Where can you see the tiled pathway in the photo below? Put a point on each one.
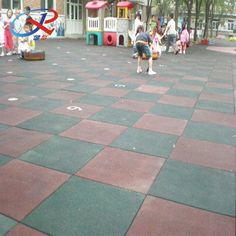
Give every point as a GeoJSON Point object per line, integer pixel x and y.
{"type": "Point", "coordinates": [88, 147]}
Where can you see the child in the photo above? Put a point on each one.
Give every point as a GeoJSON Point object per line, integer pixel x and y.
{"type": "Point", "coordinates": [184, 39]}
{"type": "Point", "coordinates": [156, 42]}
{"type": "Point", "coordinates": [1, 36]}
{"type": "Point", "coordinates": [152, 23]}
{"type": "Point", "coordinates": [8, 41]}
{"type": "Point", "coordinates": [18, 25]}
{"type": "Point", "coordinates": [26, 44]}
{"type": "Point", "coordinates": [142, 44]}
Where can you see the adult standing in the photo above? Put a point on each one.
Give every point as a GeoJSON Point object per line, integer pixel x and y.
{"type": "Point", "coordinates": [171, 33]}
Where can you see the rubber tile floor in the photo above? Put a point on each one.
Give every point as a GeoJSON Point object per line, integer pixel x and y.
{"type": "Point", "coordinates": [90, 147]}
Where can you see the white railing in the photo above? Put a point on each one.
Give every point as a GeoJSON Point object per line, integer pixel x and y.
{"type": "Point", "coordinates": [93, 23]}
{"type": "Point", "coordinates": [110, 24]}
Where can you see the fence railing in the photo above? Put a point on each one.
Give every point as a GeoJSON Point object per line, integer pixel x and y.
{"type": "Point", "coordinates": [110, 24]}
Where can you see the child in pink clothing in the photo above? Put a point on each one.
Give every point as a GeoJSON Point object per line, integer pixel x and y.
{"type": "Point", "coordinates": [8, 40]}
{"type": "Point", "coordinates": [184, 39]}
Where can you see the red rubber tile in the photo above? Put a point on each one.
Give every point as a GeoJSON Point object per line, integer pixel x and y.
{"type": "Point", "coordinates": [215, 118]}
{"type": "Point", "coordinates": [23, 186]}
{"type": "Point", "coordinates": [95, 132]}
{"type": "Point", "coordinates": [15, 141]}
{"type": "Point", "coordinates": [217, 98]}
{"type": "Point", "coordinates": [22, 230]}
{"type": "Point", "coordinates": [161, 217]}
{"type": "Point", "coordinates": [15, 115]}
{"type": "Point", "coordinates": [133, 105]}
{"type": "Point", "coordinates": [161, 124]}
{"type": "Point", "coordinates": [124, 169]}
{"type": "Point", "coordinates": [152, 89]}
{"type": "Point", "coordinates": [205, 153]}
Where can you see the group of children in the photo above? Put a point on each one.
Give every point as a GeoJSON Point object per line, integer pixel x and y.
{"type": "Point", "coordinates": [150, 42]}
{"type": "Point", "coordinates": [10, 44]}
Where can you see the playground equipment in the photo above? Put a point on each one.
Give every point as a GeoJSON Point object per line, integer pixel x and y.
{"type": "Point", "coordinates": [96, 12]}
{"type": "Point", "coordinates": [104, 30]}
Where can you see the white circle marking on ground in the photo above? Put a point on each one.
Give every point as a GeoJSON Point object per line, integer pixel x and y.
{"type": "Point", "coordinates": [72, 108]}
{"type": "Point", "coordinates": [120, 85]}
{"type": "Point", "coordinates": [12, 99]}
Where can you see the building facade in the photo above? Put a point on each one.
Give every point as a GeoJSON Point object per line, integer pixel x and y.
{"type": "Point", "coordinates": [71, 21]}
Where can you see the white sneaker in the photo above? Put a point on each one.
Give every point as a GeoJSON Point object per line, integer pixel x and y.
{"type": "Point", "coordinates": [184, 52]}
{"type": "Point", "coordinates": [9, 53]}
{"type": "Point", "coordinates": [151, 72]}
{"type": "Point", "coordinates": [139, 70]}
{"type": "Point", "coordinates": [2, 54]}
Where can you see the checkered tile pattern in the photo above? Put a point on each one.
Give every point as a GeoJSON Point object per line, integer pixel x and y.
{"type": "Point", "coordinates": [86, 150]}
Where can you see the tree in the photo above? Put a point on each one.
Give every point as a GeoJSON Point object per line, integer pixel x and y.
{"type": "Point", "coordinates": [208, 4]}
{"type": "Point", "coordinates": [148, 12]}
{"type": "Point", "coordinates": [198, 4]}
{"type": "Point", "coordinates": [189, 4]}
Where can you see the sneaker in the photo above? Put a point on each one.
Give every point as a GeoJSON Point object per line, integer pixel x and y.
{"type": "Point", "coordinates": [184, 52]}
{"type": "Point", "coordinates": [180, 52]}
{"type": "Point", "coordinates": [9, 53]}
{"type": "Point", "coordinates": [151, 72]}
{"type": "Point", "coordinates": [139, 70]}
{"type": "Point", "coordinates": [2, 54]}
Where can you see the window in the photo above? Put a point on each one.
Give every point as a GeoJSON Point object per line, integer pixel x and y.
{"type": "Point", "coordinates": [11, 4]}
{"type": "Point", "coordinates": [74, 10]}
{"type": "Point", "coordinates": [230, 24]}
{"type": "Point", "coordinates": [214, 24]}
{"type": "Point", "coordinates": [200, 24]}
{"type": "Point", "coordinates": [48, 4]}
{"type": "Point", "coordinates": [80, 10]}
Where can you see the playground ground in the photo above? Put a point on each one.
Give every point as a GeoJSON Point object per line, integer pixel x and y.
{"type": "Point", "coordinates": [89, 147]}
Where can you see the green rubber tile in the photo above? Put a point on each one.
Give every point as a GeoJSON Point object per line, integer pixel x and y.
{"type": "Point", "coordinates": [42, 104]}
{"type": "Point", "coordinates": [50, 123]}
{"type": "Point", "coordinates": [2, 93]}
{"type": "Point", "coordinates": [146, 142]}
{"type": "Point", "coordinates": [172, 111]}
{"type": "Point", "coordinates": [36, 91]}
{"type": "Point", "coordinates": [215, 106]}
{"type": "Point", "coordinates": [6, 224]}
{"type": "Point", "coordinates": [3, 106]}
{"type": "Point", "coordinates": [183, 93]}
{"type": "Point", "coordinates": [210, 132]}
{"type": "Point", "coordinates": [136, 95]}
{"type": "Point", "coordinates": [200, 187]}
{"type": "Point", "coordinates": [192, 82]}
{"type": "Point", "coordinates": [98, 100]}
{"type": "Point", "coordinates": [82, 207]}
{"type": "Point", "coordinates": [117, 116]}
{"type": "Point", "coordinates": [220, 81]}
{"type": "Point", "coordinates": [82, 88]}
{"type": "Point", "coordinates": [4, 160]}
{"type": "Point", "coordinates": [220, 91]}
{"type": "Point", "coordinates": [3, 127]}
{"type": "Point", "coordinates": [62, 154]}
{"type": "Point", "coordinates": [30, 81]}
